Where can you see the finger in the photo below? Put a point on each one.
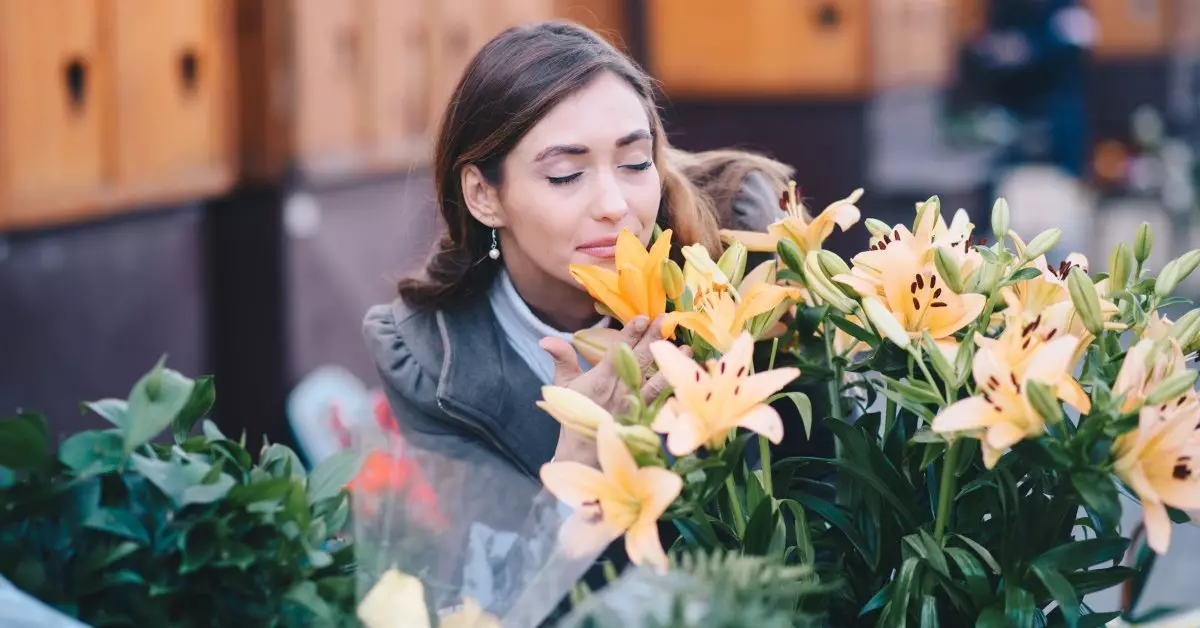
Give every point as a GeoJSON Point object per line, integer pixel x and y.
{"type": "Point", "coordinates": [635, 330]}
{"type": "Point", "coordinates": [641, 350]}
{"type": "Point", "coordinates": [566, 362]}
{"type": "Point", "coordinates": [654, 387]}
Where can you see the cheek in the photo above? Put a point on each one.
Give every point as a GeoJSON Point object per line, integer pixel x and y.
{"type": "Point", "coordinates": [644, 197]}
{"type": "Point", "coordinates": [544, 221]}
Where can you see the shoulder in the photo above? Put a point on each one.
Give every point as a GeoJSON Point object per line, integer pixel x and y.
{"type": "Point", "coordinates": [405, 343]}
{"type": "Point", "coordinates": [756, 203]}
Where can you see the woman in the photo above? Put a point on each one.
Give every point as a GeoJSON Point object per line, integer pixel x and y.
{"type": "Point", "coordinates": [550, 147]}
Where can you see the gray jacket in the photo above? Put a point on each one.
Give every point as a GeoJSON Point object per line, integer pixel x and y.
{"type": "Point", "coordinates": [455, 384]}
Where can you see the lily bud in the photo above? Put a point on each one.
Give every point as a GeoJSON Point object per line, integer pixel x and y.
{"type": "Point", "coordinates": [822, 287]}
{"type": "Point", "coordinates": [1143, 242]}
{"type": "Point", "coordinates": [940, 363]}
{"type": "Point", "coordinates": [1172, 386]}
{"type": "Point", "coordinates": [877, 227]}
{"type": "Point", "coordinates": [1041, 243]}
{"type": "Point", "coordinates": [1186, 331]}
{"type": "Point", "coordinates": [1042, 398]}
{"type": "Point", "coordinates": [697, 259]}
{"type": "Point", "coordinates": [1120, 267]}
{"type": "Point", "coordinates": [930, 210]}
{"type": "Point", "coordinates": [593, 344]}
{"type": "Point", "coordinates": [641, 440]}
{"type": "Point", "coordinates": [1001, 218]}
{"type": "Point", "coordinates": [1175, 272]}
{"type": "Point", "coordinates": [733, 263]}
{"type": "Point", "coordinates": [791, 255]}
{"type": "Point", "coordinates": [1086, 300]}
{"type": "Point", "coordinates": [885, 322]}
{"type": "Point", "coordinates": [573, 410]}
{"type": "Point", "coordinates": [948, 269]}
{"type": "Point", "coordinates": [627, 367]}
{"type": "Point", "coordinates": [672, 279]}
{"type": "Point", "coordinates": [831, 264]}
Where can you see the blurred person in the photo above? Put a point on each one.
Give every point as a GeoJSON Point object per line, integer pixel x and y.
{"type": "Point", "coordinates": [551, 146]}
{"type": "Point", "coordinates": [1034, 56]}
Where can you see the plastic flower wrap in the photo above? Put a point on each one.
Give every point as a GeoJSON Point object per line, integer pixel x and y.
{"type": "Point", "coordinates": [456, 535]}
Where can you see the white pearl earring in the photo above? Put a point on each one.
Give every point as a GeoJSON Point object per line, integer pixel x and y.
{"type": "Point", "coordinates": [494, 253]}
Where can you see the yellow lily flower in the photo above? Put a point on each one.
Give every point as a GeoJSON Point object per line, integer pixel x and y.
{"type": "Point", "coordinates": [700, 272]}
{"type": "Point", "coordinates": [921, 302]}
{"type": "Point", "coordinates": [1146, 365]}
{"type": "Point", "coordinates": [1159, 461]}
{"type": "Point", "coordinates": [636, 286]}
{"type": "Point", "coordinates": [1000, 416]}
{"type": "Point", "coordinates": [398, 599]}
{"type": "Point", "coordinates": [795, 226]}
{"type": "Point", "coordinates": [719, 318]}
{"type": "Point", "coordinates": [708, 404]}
{"type": "Point", "coordinates": [619, 498]}
{"type": "Point", "coordinates": [901, 246]}
{"type": "Point", "coordinates": [1018, 345]}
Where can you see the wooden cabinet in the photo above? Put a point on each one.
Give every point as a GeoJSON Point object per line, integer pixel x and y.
{"type": "Point", "coordinates": [173, 135]}
{"type": "Point", "coordinates": [805, 48]}
{"type": "Point", "coordinates": [55, 96]}
{"type": "Point", "coordinates": [1184, 18]}
{"type": "Point", "coordinates": [1130, 28]}
{"type": "Point", "coordinates": [768, 47]}
{"type": "Point", "coordinates": [109, 106]}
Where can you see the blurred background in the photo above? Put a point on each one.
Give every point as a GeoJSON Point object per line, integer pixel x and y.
{"type": "Point", "coordinates": [233, 182]}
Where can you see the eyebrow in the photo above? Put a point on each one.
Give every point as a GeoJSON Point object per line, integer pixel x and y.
{"type": "Point", "coordinates": [576, 149]}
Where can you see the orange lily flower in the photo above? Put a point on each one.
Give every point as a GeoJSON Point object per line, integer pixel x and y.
{"type": "Point", "coordinates": [708, 404]}
{"type": "Point", "coordinates": [1146, 365]}
{"type": "Point", "coordinates": [1159, 461]}
{"type": "Point", "coordinates": [795, 226]}
{"type": "Point", "coordinates": [619, 498]}
{"type": "Point", "coordinates": [719, 317]}
{"type": "Point", "coordinates": [636, 287]}
{"type": "Point", "coordinates": [1000, 416]}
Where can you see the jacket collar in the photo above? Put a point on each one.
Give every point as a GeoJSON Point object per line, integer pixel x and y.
{"type": "Point", "coordinates": [485, 384]}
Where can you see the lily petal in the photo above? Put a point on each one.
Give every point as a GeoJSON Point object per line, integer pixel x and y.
{"type": "Point", "coordinates": [1158, 526]}
{"type": "Point", "coordinates": [754, 241]}
{"type": "Point", "coordinates": [615, 459]}
{"type": "Point", "coordinates": [575, 483]}
{"type": "Point", "coordinates": [644, 547]}
{"type": "Point", "coordinates": [602, 284]}
{"type": "Point", "coordinates": [968, 414]}
{"type": "Point", "coordinates": [764, 420]}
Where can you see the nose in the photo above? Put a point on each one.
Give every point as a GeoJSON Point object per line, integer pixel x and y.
{"type": "Point", "coordinates": [610, 203]}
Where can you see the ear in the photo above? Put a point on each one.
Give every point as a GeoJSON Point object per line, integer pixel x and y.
{"type": "Point", "coordinates": [482, 198]}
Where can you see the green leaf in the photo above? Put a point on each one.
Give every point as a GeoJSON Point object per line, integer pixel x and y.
{"type": "Point", "coordinates": [181, 482]}
{"type": "Point", "coordinates": [1018, 606]}
{"type": "Point", "coordinates": [877, 601]}
{"type": "Point", "coordinates": [25, 443]}
{"type": "Point", "coordinates": [992, 618]}
{"type": "Point", "coordinates": [855, 331]}
{"type": "Point", "coordinates": [917, 391]}
{"type": "Point", "coordinates": [929, 615]}
{"type": "Point", "coordinates": [204, 394]}
{"type": "Point", "coordinates": [838, 519]}
{"type": "Point", "coordinates": [1099, 495]}
{"type": "Point", "coordinates": [109, 555]}
{"type": "Point", "coordinates": [1098, 620]}
{"type": "Point", "coordinates": [306, 596]}
{"type": "Point", "coordinates": [1083, 554]}
{"type": "Point", "coordinates": [210, 430]}
{"type": "Point", "coordinates": [268, 490]}
{"type": "Point", "coordinates": [1024, 274]}
{"type": "Point", "coordinates": [800, 529]}
{"type": "Point", "coordinates": [112, 410]}
{"type": "Point", "coordinates": [897, 610]}
{"type": "Point", "coordinates": [761, 528]}
{"type": "Point", "coordinates": [154, 402]}
{"type": "Point", "coordinates": [982, 552]}
{"type": "Point", "coordinates": [199, 545]}
{"type": "Point", "coordinates": [234, 555]}
{"type": "Point", "coordinates": [281, 461]}
{"type": "Point", "coordinates": [118, 522]}
{"type": "Point", "coordinates": [803, 406]}
{"type": "Point", "coordinates": [977, 583]}
{"type": "Point", "coordinates": [925, 413]}
{"type": "Point", "coordinates": [91, 453]}
{"type": "Point", "coordinates": [1091, 581]}
{"type": "Point", "coordinates": [332, 474]}
{"type": "Point", "coordinates": [1061, 590]}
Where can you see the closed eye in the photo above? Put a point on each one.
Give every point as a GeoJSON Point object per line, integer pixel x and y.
{"type": "Point", "coordinates": [563, 180]}
{"type": "Point", "coordinates": [642, 166]}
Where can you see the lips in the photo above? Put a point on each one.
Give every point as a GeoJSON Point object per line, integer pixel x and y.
{"type": "Point", "coordinates": [601, 248]}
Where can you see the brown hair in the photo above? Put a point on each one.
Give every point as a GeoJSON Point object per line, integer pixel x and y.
{"type": "Point", "coordinates": [515, 80]}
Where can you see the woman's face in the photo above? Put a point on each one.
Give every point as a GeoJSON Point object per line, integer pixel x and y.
{"type": "Point", "coordinates": [582, 174]}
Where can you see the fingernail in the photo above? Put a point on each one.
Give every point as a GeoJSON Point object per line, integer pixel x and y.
{"type": "Point", "coordinates": [639, 324]}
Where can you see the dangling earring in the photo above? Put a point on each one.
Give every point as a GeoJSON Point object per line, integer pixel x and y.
{"type": "Point", "coordinates": [494, 253]}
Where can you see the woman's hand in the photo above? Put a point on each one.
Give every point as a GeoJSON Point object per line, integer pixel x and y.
{"type": "Point", "coordinates": [601, 383]}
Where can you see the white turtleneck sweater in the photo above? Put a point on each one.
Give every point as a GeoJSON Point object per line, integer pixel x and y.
{"type": "Point", "coordinates": [524, 330]}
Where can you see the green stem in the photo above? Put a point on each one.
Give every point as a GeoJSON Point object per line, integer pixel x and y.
{"type": "Point", "coordinates": [735, 504]}
{"type": "Point", "coordinates": [889, 416]}
{"type": "Point", "coordinates": [928, 376]}
{"type": "Point", "coordinates": [834, 384]}
{"type": "Point", "coordinates": [764, 454]}
{"type": "Point", "coordinates": [946, 490]}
